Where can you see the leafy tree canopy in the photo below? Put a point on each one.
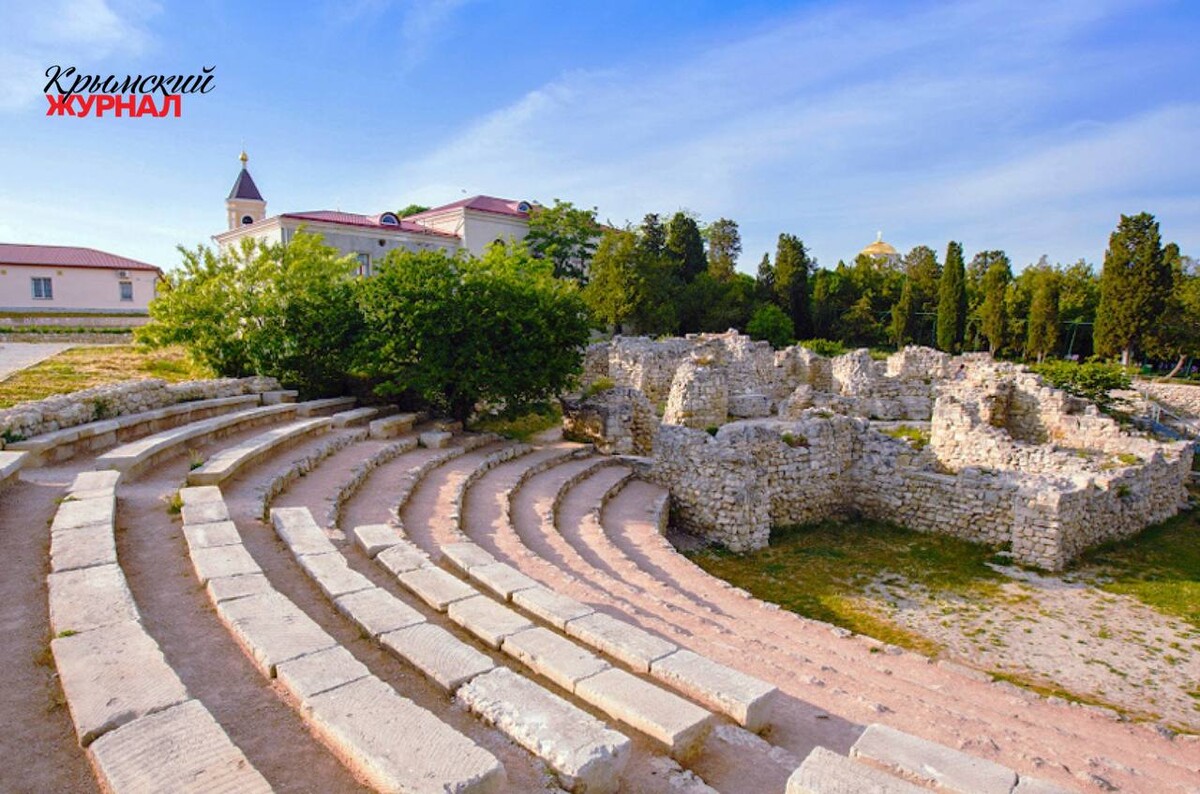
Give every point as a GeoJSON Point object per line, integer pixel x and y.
{"type": "Point", "coordinates": [566, 236]}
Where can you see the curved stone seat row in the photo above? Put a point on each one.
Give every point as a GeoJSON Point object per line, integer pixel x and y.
{"type": "Point", "coordinates": [11, 463]}
{"type": "Point", "coordinates": [414, 475]}
{"type": "Point", "coordinates": [230, 460]}
{"type": "Point", "coordinates": [144, 452]}
{"type": "Point", "coordinates": [361, 472]}
{"type": "Point", "coordinates": [140, 727]}
{"type": "Point", "coordinates": [63, 444]}
{"type": "Point", "coordinates": [391, 741]}
{"type": "Point", "coordinates": [581, 750]}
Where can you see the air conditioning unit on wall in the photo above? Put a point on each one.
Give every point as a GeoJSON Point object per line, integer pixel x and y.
{"type": "Point", "coordinates": [122, 274]}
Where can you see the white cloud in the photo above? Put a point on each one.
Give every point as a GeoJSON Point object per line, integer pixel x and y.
{"type": "Point", "coordinates": [68, 33]}
{"type": "Point", "coordinates": [933, 122]}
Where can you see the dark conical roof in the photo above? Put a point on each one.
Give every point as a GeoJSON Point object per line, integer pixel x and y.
{"type": "Point", "coordinates": [244, 187]}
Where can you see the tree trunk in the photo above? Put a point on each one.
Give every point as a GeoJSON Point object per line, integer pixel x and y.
{"type": "Point", "coordinates": [1126, 356]}
{"type": "Point", "coordinates": [1178, 366]}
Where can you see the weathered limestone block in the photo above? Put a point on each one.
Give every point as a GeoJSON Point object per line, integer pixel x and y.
{"type": "Point", "coordinates": [89, 598]}
{"type": "Point", "coordinates": [749, 406]}
{"type": "Point", "coordinates": [680, 726]}
{"type": "Point", "coordinates": [436, 587]}
{"type": "Point", "coordinates": [377, 611]}
{"type": "Point", "coordinates": [553, 656]}
{"type": "Point", "coordinates": [932, 762]}
{"type": "Point", "coordinates": [621, 640]}
{"type": "Point", "coordinates": [489, 621]}
{"type": "Point", "coordinates": [699, 396]}
{"type": "Point", "coordinates": [748, 700]}
{"type": "Point", "coordinates": [437, 653]}
{"type": "Point", "coordinates": [310, 675]}
{"type": "Point", "coordinates": [374, 538]}
{"type": "Point", "coordinates": [501, 579]}
{"type": "Point", "coordinates": [618, 421]}
{"type": "Point", "coordinates": [550, 606]}
{"type": "Point", "coordinates": [826, 772]}
{"type": "Point", "coordinates": [272, 629]}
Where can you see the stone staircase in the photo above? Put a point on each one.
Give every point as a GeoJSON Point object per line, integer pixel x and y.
{"type": "Point", "coordinates": [517, 608]}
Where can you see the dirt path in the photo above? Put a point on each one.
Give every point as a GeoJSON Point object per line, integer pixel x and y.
{"type": "Point", "coordinates": [38, 745]}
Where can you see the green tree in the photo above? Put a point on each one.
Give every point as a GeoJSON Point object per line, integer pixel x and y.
{"type": "Point", "coordinates": [1135, 286]}
{"type": "Point", "coordinates": [459, 331]}
{"type": "Point", "coordinates": [922, 269]}
{"type": "Point", "coordinates": [993, 315]}
{"type": "Point", "coordinates": [630, 288]}
{"type": "Point", "coordinates": [904, 315]}
{"type": "Point", "coordinates": [411, 209]}
{"type": "Point", "coordinates": [764, 280]}
{"type": "Point", "coordinates": [709, 305]}
{"type": "Point", "coordinates": [1177, 335]}
{"type": "Point", "coordinates": [724, 247]}
{"type": "Point", "coordinates": [1078, 298]}
{"type": "Point", "coordinates": [792, 266]}
{"type": "Point", "coordinates": [566, 236]}
{"type": "Point", "coordinates": [952, 301]}
{"type": "Point", "coordinates": [652, 236]}
{"type": "Point", "coordinates": [685, 246]}
{"type": "Point", "coordinates": [1042, 326]}
{"type": "Point", "coordinates": [287, 311]}
{"type": "Point", "coordinates": [771, 323]}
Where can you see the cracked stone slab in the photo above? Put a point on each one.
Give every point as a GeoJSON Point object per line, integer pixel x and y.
{"type": "Point", "coordinates": [554, 608]}
{"type": "Point", "coordinates": [227, 588]}
{"type": "Point", "coordinates": [487, 620]}
{"type": "Point", "coordinates": [435, 439]}
{"type": "Point", "coordinates": [399, 746]}
{"type": "Point", "coordinates": [678, 724]}
{"type": "Point", "coordinates": [585, 754]}
{"type": "Point", "coordinates": [555, 657]}
{"type": "Point", "coordinates": [436, 587]}
{"type": "Point", "coordinates": [438, 654]}
{"type": "Point", "coordinates": [620, 640]}
{"type": "Point", "coordinates": [179, 749]}
{"type": "Point", "coordinates": [502, 579]}
{"type": "Point", "coordinates": [97, 481]}
{"type": "Point", "coordinates": [11, 464]}
{"type": "Point", "coordinates": [392, 426]}
{"type": "Point", "coordinates": [218, 533]}
{"type": "Point", "coordinates": [299, 532]}
{"type": "Point", "coordinates": [89, 598]}
{"type": "Point", "coordinates": [932, 762]}
{"type": "Point", "coordinates": [376, 611]}
{"type": "Point", "coordinates": [333, 575]}
{"type": "Point", "coordinates": [319, 672]}
{"type": "Point", "coordinates": [465, 555]}
{"type": "Point", "coordinates": [77, 513]}
{"type": "Point", "coordinates": [113, 675]}
{"type": "Point", "coordinates": [85, 547]}
{"type": "Point", "coordinates": [402, 557]}
{"type": "Point", "coordinates": [374, 538]}
{"type": "Point", "coordinates": [272, 629]}
{"type": "Point", "coordinates": [826, 772]}
{"type": "Point", "coordinates": [354, 417]}
{"type": "Point", "coordinates": [205, 512]}
{"type": "Point", "coordinates": [215, 562]}
{"type": "Point", "coordinates": [748, 700]}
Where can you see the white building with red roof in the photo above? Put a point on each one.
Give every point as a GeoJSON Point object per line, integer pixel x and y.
{"type": "Point", "coordinates": [470, 224]}
{"type": "Point", "coordinates": [70, 280]}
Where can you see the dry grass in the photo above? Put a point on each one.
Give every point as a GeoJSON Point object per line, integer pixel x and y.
{"type": "Point", "coordinates": [85, 367]}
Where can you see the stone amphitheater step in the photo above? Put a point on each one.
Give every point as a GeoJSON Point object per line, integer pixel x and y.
{"type": "Point", "coordinates": [64, 444]}
{"type": "Point", "coordinates": [641, 539]}
{"type": "Point", "coordinates": [359, 716]}
{"type": "Point", "coordinates": [932, 763]}
{"type": "Point", "coordinates": [325, 407]}
{"type": "Point", "coordinates": [137, 455]}
{"type": "Point", "coordinates": [230, 460]}
{"type": "Point", "coordinates": [826, 772]}
{"type": "Point", "coordinates": [11, 463]}
{"type": "Point", "coordinates": [130, 709]}
{"type": "Point", "coordinates": [585, 754]}
{"type": "Point", "coordinates": [392, 426]}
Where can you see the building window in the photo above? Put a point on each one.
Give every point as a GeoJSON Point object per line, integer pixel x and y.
{"type": "Point", "coordinates": [364, 264]}
{"type": "Point", "coordinates": [43, 289]}
{"type": "Point", "coordinates": [247, 220]}
{"type": "Point", "coordinates": [126, 290]}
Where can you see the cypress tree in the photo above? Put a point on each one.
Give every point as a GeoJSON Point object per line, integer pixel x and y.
{"type": "Point", "coordinates": [904, 315]}
{"type": "Point", "coordinates": [652, 237]}
{"type": "Point", "coordinates": [792, 266]}
{"type": "Point", "coordinates": [685, 246]}
{"type": "Point", "coordinates": [764, 281]}
{"type": "Point", "coordinates": [952, 301]}
{"type": "Point", "coordinates": [1135, 286]}
{"type": "Point", "coordinates": [993, 314]}
{"type": "Point", "coordinates": [1042, 336]}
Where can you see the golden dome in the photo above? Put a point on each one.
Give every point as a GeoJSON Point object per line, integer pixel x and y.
{"type": "Point", "coordinates": [879, 248]}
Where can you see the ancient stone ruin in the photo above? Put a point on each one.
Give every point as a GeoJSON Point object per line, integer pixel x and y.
{"type": "Point", "coordinates": [751, 438]}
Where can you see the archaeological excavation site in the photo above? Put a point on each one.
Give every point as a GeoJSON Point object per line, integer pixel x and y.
{"type": "Point", "coordinates": [220, 588]}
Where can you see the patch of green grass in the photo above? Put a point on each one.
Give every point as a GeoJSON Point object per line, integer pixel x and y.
{"type": "Point", "coordinates": [85, 367]}
{"type": "Point", "coordinates": [1160, 567]}
{"type": "Point", "coordinates": [820, 570]}
{"type": "Point", "coordinates": [597, 386]}
{"type": "Point", "coordinates": [915, 436]}
{"type": "Point", "coordinates": [522, 428]}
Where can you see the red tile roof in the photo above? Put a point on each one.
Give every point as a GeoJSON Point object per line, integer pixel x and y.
{"type": "Point", "coordinates": [67, 256]}
{"type": "Point", "coordinates": [499, 206]}
{"type": "Point", "coordinates": [368, 221]}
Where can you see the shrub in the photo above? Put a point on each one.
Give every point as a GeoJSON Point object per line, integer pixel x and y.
{"type": "Point", "coordinates": [772, 324]}
{"type": "Point", "coordinates": [1092, 381]}
{"type": "Point", "coordinates": [824, 347]}
{"type": "Point", "coordinates": [793, 440]}
{"type": "Point", "coordinates": [916, 438]}
{"type": "Point", "coordinates": [597, 386]}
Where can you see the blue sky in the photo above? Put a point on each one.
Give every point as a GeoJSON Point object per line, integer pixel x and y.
{"type": "Point", "coordinates": [1025, 126]}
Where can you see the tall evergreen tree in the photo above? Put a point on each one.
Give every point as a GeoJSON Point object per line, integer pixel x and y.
{"type": "Point", "coordinates": [685, 246]}
{"type": "Point", "coordinates": [1042, 332]}
{"type": "Point", "coordinates": [1135, 286]}
{"type": "Point", "coordinates": [792, 266]}
{"type": "Point", "coordinates": [724, 247]}
{"type": "Point", "coordinates": [952, 301]}
{"type": "Point", "coordinates": [652, 236]}
{"type": "Point", "coordinates": [764, 281]}
{"type": "Point", "coordinates": [904, 315]}
{"type": "Point", "coordinates": [993, 315]}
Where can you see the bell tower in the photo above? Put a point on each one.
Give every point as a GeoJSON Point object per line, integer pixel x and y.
{"type": "Point", "coordinates": [244, 205]}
